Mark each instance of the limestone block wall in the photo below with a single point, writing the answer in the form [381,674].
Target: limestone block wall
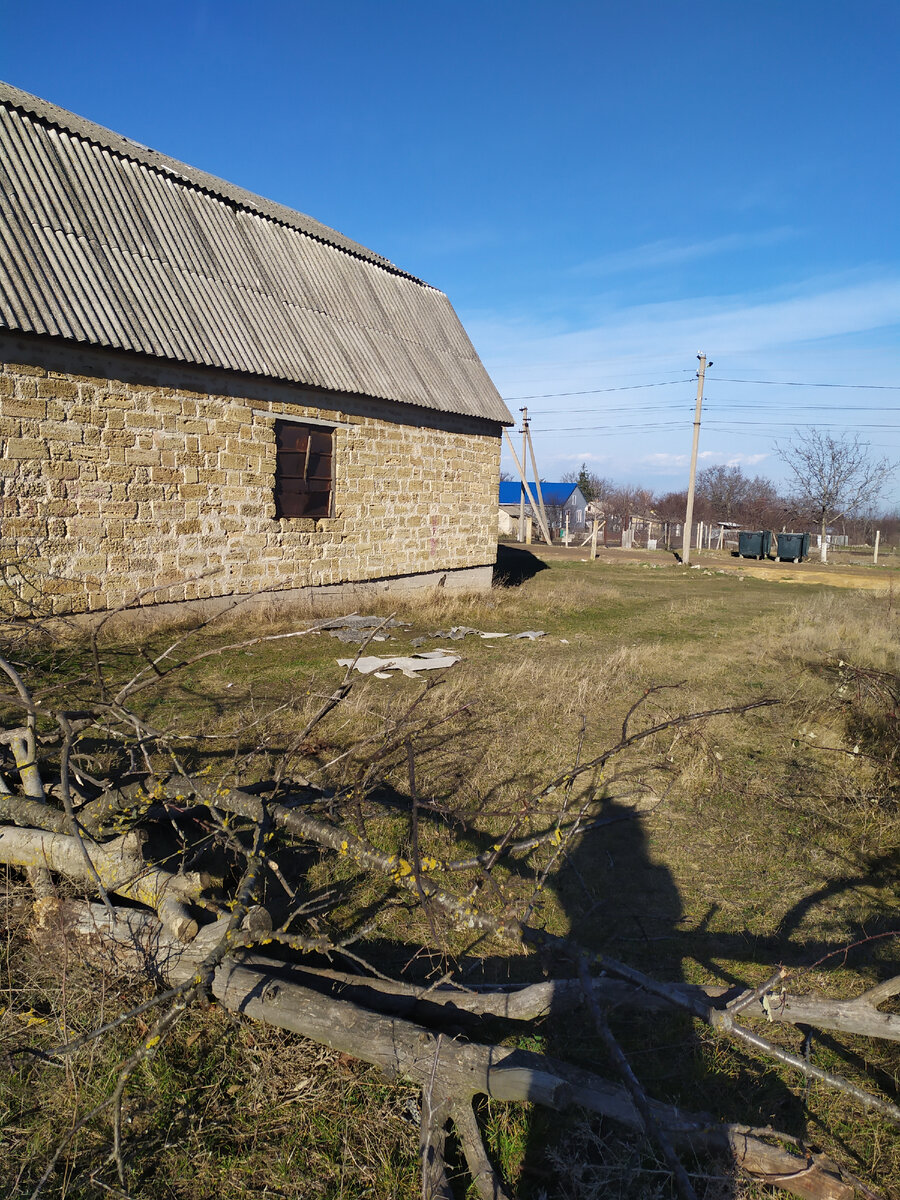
[122,476]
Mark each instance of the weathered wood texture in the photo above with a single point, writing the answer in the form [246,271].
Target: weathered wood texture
[448,1066]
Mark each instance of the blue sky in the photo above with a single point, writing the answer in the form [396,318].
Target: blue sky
[603,189]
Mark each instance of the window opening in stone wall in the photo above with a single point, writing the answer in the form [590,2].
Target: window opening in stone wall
[303,470]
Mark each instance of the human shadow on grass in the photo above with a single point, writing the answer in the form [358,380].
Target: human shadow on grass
[620,900]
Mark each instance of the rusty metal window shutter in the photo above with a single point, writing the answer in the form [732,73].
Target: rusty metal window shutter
[303,470]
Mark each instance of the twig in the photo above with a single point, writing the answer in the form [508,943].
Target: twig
[485,1179]
[636,1090]
[432,1135]
[414,824]
[65,791]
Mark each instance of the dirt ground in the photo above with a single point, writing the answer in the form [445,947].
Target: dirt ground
[844,571]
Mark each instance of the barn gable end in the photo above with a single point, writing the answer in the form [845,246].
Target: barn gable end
[204,394]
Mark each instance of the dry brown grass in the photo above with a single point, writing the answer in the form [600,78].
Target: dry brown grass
[766,848]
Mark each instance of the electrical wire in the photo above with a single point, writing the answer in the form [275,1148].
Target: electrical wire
[617,428]
[731,405]
[795,425]
[631,387]
[711,404]
[629,410]
[879,387]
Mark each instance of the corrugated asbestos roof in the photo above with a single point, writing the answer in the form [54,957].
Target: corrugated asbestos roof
[109,243]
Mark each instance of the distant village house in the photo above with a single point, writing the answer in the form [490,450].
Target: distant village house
[561,500]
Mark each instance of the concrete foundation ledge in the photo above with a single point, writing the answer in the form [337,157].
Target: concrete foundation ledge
[323,600]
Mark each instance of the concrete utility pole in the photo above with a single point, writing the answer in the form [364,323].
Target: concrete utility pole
[524,412]
[689,516]
[537,474]
[531,500]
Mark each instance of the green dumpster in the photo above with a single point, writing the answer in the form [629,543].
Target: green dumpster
[754,544]
[792,547]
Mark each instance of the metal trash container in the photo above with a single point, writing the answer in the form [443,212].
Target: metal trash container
[792,547]
[754,545]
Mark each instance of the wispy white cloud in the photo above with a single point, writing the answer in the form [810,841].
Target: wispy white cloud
[835,330]
[668,252]
[583,456]
[620,341]
[666,461]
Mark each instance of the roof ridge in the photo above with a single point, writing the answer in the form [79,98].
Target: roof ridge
[117,143]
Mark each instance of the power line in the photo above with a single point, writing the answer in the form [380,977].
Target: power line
[770,434]
[632,387]
[735,428]
[721,405]
[732,405]
[612,411]
[806,425]
[879,387]
[595,429]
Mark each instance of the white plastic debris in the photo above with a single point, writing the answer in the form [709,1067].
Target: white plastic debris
[381,668]
[456,633]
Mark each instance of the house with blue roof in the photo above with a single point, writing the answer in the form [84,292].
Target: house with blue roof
[560,500]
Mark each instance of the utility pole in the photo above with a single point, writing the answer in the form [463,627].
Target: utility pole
[531,500]
[537,474]
[689,516]
[524,412]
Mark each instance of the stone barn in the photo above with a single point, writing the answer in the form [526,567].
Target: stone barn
[205,395]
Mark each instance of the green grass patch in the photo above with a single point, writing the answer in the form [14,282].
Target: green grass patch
[758,840]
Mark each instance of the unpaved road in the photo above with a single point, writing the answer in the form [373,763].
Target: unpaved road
[882,578]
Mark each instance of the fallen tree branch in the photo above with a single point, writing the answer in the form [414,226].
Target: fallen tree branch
[555,996]
[459,1069]
[486,1181]
[636,1090]
[118,865]
[466,913]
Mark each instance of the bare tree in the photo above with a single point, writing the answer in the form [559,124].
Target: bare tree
[623,503]
[94,790]
[833,477]
[592,485]
[724,489]
[726,493]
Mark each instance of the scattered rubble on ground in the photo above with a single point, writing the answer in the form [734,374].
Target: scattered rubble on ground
[381,668]
[361,629]
[456,633]
[356,629]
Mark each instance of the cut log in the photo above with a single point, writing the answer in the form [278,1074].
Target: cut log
[118,865]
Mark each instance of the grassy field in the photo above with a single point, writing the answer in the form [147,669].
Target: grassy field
[761,839]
